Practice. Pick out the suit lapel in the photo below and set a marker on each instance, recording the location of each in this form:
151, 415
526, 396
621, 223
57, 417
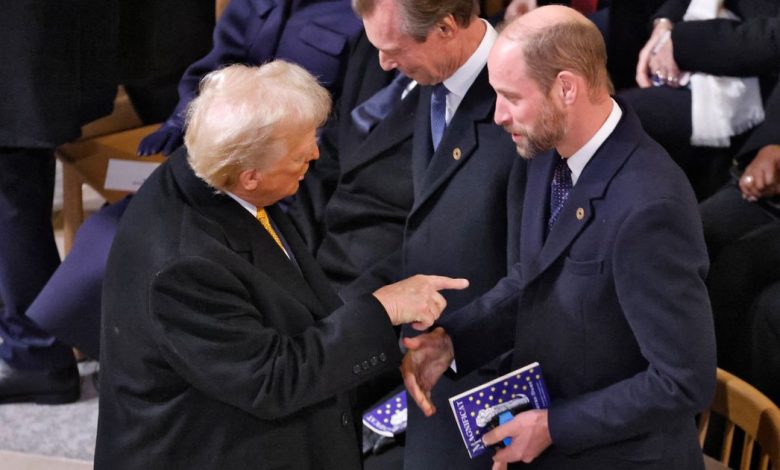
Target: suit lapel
393, 129
577, 212
458, 143
245, 235
308, 285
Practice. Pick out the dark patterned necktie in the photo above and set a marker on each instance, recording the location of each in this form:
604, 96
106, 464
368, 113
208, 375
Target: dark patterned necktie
438, 113
559, 190
368, 114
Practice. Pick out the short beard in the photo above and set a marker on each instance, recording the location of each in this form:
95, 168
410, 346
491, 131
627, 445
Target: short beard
547, 131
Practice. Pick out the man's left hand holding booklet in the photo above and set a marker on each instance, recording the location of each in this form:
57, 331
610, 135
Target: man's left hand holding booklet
479, 409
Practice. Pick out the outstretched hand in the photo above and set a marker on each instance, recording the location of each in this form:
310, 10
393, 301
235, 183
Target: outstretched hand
428, 356
417, 300
164, 140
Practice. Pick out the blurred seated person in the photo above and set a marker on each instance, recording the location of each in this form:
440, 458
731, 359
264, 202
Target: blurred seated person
58, 73
702, 76
742, 230
622, 22
314, 34
217, 320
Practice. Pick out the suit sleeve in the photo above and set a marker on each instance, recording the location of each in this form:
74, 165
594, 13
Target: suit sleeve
485, 328
213, 334
728, 48
659, 268
383, 272
768, 132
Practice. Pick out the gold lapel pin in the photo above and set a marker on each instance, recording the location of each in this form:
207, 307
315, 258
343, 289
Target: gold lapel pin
456, 153
580, 213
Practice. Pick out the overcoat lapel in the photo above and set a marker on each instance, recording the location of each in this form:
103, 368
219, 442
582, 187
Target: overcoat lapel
393, 129
458, 143
577, 212
245, 235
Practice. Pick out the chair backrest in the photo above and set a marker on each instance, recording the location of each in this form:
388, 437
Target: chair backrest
753, 413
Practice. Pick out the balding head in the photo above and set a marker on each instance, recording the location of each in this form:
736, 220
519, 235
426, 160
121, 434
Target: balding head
554, 38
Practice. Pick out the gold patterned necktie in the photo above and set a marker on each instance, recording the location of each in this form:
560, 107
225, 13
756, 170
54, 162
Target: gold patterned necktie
262, 216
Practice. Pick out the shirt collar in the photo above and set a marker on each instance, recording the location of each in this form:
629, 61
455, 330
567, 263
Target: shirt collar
459, 82
246, 205
582, 156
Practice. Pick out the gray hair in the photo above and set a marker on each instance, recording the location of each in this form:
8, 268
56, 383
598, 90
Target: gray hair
243, 116
419, 16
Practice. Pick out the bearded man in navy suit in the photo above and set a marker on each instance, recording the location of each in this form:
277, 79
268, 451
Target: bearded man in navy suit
609, 293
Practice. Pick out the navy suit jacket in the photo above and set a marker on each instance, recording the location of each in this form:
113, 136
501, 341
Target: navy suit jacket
614, 307
313, 33
464, 223
218, 351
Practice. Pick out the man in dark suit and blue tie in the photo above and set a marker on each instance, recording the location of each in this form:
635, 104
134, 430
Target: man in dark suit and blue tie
466, 178
609, 293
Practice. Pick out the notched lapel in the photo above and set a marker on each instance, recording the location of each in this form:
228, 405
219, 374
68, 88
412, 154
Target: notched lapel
392, 130
459, 142
271, 260
309, 285
577, 212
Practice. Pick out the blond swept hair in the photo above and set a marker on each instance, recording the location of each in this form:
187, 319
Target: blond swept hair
244, 116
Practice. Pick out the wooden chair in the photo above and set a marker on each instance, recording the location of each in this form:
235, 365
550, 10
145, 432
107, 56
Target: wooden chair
755, 415
86, 160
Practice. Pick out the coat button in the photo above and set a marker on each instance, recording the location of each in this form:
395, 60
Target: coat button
356, 369
382, 357
364, 365
344, 419
374, 360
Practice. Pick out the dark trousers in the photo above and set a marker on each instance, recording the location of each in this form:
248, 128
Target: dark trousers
69, 305
28, 256
744, 243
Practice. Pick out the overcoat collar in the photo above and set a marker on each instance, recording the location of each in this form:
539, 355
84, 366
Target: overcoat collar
245, 236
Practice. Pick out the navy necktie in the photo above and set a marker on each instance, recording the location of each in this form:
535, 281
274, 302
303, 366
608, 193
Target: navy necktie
559, 190
368, 114
438, 113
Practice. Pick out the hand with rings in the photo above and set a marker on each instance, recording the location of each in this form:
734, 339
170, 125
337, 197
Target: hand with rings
658, 78
749, 192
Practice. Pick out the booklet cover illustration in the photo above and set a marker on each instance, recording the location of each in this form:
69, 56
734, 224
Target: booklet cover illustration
514, 392
389, 417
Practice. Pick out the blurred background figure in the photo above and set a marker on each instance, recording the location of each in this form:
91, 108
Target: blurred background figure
59, 72
703, 75
313, 33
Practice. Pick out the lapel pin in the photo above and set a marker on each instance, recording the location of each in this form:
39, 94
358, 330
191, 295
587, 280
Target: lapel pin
456, 153
580, 213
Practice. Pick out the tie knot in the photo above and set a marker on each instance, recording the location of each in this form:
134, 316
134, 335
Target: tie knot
440, 92
562, 174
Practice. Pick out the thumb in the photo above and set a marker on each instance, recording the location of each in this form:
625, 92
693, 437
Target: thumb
412, 344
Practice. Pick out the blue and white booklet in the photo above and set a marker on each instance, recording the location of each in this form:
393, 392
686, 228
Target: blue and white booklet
389, 417
478, 409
